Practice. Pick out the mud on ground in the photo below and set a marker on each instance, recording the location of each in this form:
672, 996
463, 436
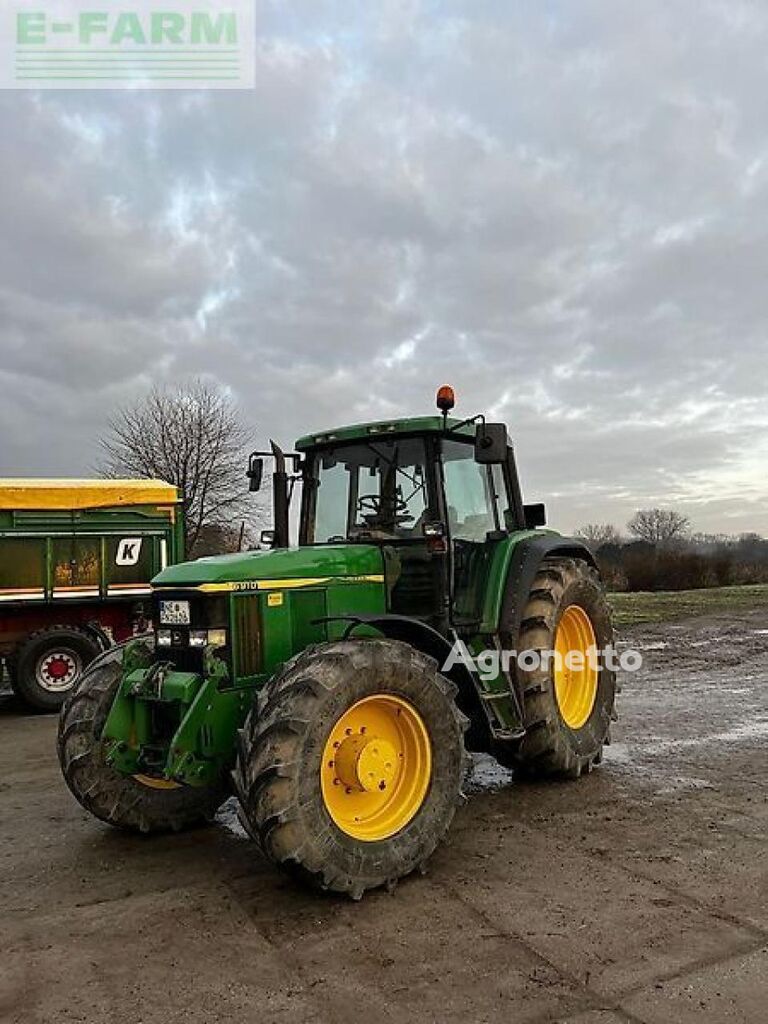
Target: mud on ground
638, 894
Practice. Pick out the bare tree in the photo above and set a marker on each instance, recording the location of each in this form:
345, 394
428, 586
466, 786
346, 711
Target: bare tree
191, 436
220, 539
595, 535
658, 525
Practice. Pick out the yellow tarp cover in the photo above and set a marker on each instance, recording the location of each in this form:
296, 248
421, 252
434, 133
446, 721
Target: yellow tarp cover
79, 494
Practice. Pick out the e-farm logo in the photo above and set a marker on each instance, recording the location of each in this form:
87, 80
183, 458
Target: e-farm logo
137, 44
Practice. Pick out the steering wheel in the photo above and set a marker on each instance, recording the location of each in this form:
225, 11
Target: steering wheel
370, 507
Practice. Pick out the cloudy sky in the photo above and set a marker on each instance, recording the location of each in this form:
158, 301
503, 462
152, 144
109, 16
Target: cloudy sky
561, 208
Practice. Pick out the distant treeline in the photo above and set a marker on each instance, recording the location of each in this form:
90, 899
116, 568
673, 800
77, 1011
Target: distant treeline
689, 565
683, 561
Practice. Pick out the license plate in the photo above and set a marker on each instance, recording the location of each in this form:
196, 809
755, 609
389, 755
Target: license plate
174, 613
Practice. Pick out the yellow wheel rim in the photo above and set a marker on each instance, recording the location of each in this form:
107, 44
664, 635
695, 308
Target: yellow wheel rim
376, 769
575, 685
153, 783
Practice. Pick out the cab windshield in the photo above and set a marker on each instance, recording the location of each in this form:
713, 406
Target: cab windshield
368, 491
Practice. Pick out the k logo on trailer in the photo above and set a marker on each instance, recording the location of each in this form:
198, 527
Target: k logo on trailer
128, 551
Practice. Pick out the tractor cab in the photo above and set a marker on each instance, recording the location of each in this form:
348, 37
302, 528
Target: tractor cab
436, 494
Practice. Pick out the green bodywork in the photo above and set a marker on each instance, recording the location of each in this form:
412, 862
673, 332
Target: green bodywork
178, 722
279, 593
423, 425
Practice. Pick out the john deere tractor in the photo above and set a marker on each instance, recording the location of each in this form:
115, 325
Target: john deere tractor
335, 686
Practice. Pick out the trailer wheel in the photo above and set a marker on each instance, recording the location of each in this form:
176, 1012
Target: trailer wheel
49, 663
135, 803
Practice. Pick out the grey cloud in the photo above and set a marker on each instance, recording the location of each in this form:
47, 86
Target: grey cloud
560, 209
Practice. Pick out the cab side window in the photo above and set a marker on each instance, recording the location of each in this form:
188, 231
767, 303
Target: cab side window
470, 493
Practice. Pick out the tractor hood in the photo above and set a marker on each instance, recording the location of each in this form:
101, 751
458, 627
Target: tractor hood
307, 563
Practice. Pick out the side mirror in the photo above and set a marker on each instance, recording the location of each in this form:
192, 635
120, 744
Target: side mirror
490, 443
535, 515
255, 472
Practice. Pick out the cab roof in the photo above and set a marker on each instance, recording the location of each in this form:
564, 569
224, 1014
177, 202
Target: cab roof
387, 428
40, 494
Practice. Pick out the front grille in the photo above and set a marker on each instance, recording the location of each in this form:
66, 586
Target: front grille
206, 612
183, 657
247, 641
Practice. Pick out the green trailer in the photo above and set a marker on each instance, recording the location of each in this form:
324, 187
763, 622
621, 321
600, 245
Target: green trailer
76, 560
336, 686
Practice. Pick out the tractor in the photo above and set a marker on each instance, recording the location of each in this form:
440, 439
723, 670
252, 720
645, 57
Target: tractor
336, 686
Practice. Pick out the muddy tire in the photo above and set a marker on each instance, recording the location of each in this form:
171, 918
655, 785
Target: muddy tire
47, 666
285, 780
120, 800
565, 728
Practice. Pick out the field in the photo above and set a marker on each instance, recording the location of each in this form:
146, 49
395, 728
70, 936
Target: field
638, 895
667, 606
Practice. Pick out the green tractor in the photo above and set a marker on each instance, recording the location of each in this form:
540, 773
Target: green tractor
336, 686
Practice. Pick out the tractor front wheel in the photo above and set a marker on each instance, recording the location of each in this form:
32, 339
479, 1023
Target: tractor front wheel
568, 696
350, 767
136, 803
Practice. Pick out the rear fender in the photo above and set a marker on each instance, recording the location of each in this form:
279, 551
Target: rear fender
526, 557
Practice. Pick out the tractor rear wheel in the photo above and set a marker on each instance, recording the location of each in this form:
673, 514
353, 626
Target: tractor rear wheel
567, 701
137, 803
350, 767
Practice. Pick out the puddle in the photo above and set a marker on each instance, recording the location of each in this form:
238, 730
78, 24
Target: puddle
487, 775
619, 758
227, 816
746, 732
681, 783
617, 753
709, 640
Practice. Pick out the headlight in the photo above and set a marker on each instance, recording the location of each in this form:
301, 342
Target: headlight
198, 637
163, 638
217, 637
207, 637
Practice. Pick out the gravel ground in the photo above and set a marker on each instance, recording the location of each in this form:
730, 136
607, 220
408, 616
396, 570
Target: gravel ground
638, 894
